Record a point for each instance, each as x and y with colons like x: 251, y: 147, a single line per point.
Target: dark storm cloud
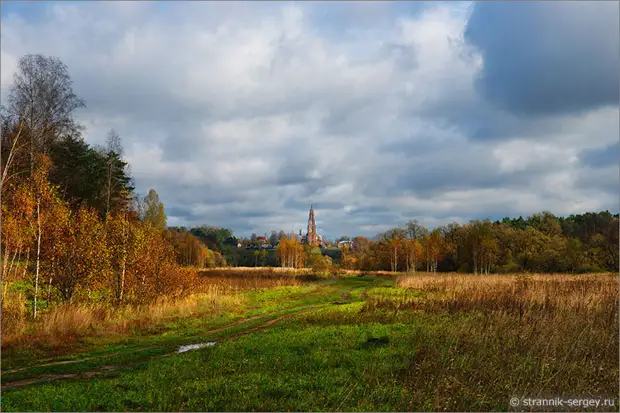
x: 545, y: 58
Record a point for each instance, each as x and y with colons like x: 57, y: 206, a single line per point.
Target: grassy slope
x: 341, y: 356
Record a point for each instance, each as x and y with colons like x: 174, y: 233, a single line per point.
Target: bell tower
x: 312, y: 238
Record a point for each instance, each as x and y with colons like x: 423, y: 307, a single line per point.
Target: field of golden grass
x: 529, y: 295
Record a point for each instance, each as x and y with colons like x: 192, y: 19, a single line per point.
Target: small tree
x: 153, y: 210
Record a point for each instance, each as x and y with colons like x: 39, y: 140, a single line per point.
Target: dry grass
x: 65, y: 323
x: 72, y: 321
x: 590, y: 295
x: 516, y: 335
x: 14, y: 317
x: 212, y: 292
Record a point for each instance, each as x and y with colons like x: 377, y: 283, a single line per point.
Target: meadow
x: 295, y: 341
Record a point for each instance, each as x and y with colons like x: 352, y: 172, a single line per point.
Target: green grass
x: 341, y: 356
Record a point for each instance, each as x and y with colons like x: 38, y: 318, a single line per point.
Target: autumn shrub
x: 321, y: 264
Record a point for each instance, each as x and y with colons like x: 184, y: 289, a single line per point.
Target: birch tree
x: 42, y: 97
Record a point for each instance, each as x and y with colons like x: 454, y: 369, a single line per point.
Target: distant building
x: 341, y: 244
x: 312, y: 237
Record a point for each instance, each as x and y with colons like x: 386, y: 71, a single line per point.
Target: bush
x: 321, y: 263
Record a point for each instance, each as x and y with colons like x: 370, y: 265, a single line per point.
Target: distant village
x: 311, y: 237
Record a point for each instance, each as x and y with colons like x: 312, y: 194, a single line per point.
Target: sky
x: 241, y: 115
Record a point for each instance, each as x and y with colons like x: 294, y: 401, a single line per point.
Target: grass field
x: 355, y: 343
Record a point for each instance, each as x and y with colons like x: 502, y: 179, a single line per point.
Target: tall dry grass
x: 201, y: 294
x: 14, y: 317
x: 511, y: 335
x: 533, y: 295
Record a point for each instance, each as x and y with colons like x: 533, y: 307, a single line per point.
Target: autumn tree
x: 393, y: 241
x: 290, y: 252
x: 489, y: 248
x: 273, y: 239
x: 415, y: 233
x: 18, y: 229
x: 190, y: 251
x: 36, y: 198
x: 121, y: 243
x: 452, y: 235
x: 153, y: 210
x: 434, y: 248
x: 81, y: 256
x: 348, y: 260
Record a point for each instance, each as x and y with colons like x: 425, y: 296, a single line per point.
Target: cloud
x: 546, y: 57
x: 601, y: 156
x: 242, y: 114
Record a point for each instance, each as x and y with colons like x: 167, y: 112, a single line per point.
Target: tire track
x: 56, y: 363
x: 108, y: 369
x: 119, y: 353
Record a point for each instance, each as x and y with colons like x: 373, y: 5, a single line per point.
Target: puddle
x: 189, y: 347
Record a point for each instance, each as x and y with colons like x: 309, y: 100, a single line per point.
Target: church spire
x: 312, y: 238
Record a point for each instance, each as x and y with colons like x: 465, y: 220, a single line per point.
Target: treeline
x: 217, y: 247
x: 541, y: 243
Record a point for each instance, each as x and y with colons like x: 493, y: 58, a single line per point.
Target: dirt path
x: 107, y: 369
x: 205, y: 333
x: 57, y: 377
x: 56, y: 363
x: 272, y: 322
